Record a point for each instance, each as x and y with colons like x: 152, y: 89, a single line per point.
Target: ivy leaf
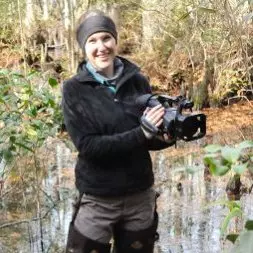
x: 245, y: 144
x: 221, y: 170
x: 4, y: 71
x: 232, y: 237
x: 231, y: 154
x: 249, y: 224
x: 216, y: 168
x: 52, y: 82
x: 7, y: 155
x: 213, y: 148
x: 245, y: 244
x: 239, y: 168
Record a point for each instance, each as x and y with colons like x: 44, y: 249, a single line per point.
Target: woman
x: 114, y: 171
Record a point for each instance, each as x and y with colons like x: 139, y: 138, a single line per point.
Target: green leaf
x: 245, y: 144
x: 32, y: 73
x: 245, y: 242
x: 31, y: 132
x: 52, y: 82
x: 4, y: 72
x: 33, y: 111
x: 7, y: 155
x: 232, y: 237
x: 213, y: 148
x: 249, y: 224
x: 239, y: 168
x: 24, y: 146
x: 51, y: 102
x: 37, y: 124
x: 216, y: 168
x: 12, y: 138
x: 233, y: 204
x: 235, y: 212
x: 209, y: 160
x: 231, y: 154
x: 16, y: 74
x: 221, y: 170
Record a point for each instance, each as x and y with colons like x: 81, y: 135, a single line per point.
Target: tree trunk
x: 66, y: 15
x: 45, y: 10
x: 69, y: 24
x: 29, y: 13
x: 72, y: 5
x: 200, y: 94
x: 150, y: 23
x: 154, y: 19
x: 114, y: 12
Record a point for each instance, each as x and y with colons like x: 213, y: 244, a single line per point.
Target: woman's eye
x: 106, y: 38
x: 92, y: 41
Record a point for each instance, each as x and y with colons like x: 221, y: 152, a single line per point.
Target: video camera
x: 178, y: 121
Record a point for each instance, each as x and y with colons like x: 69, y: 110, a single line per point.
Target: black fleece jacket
x: 113, y: 157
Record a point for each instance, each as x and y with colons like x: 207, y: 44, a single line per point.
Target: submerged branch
x: 18, y: 222
x: 9, y: 224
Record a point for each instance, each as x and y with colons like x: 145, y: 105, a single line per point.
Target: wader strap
x: 76, y: 206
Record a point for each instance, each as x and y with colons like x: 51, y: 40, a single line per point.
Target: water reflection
x: 186, y: 224
x: 35, y: 225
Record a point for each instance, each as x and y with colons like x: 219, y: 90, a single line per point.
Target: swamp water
x: 189, y: 221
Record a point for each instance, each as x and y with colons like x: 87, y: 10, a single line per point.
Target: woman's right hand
x: 150, y: 121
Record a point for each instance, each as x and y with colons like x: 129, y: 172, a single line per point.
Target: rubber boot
x: 136, y: 241
x: 78, y: 243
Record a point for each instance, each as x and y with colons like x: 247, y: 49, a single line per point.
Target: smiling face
x: 100, y: 50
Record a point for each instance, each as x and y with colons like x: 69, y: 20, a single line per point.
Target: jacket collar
x: 130, y: 69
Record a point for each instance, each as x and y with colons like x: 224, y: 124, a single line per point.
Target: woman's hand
x: 150, y: 121
x: 154, y: 115
x: 153, y: 118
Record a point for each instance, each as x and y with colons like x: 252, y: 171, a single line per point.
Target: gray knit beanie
x: 94, y: 24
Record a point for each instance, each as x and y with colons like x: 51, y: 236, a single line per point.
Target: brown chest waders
x: 141, y: 241
x: 78, y: 243
x: 125, y: 241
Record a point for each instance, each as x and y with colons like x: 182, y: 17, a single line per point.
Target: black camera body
x: 179, y: 121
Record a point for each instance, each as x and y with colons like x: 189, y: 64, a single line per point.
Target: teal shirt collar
x: 109, y: 82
